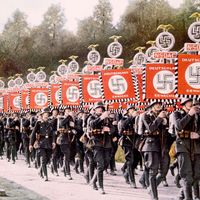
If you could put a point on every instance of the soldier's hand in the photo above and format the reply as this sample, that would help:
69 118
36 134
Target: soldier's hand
194 135
53 145
30 148
193 110
162 114
115 123
104 115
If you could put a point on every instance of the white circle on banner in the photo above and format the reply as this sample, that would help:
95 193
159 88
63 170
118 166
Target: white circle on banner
149 54
31 77
41 99
94 57
164 82
165 41
118 84
41 76
2 84
62 70
72 93
192 75
94 89
73 67
19 81
194 32
114 49
139 59
57 96
16 102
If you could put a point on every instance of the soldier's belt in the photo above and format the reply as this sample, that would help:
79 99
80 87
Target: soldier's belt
127 133
148 134
97 132
184 134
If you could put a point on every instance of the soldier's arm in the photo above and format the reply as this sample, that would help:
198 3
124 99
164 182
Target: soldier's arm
152 126
33 134
180 123
94 121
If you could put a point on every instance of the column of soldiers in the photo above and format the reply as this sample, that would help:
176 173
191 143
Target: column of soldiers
88 141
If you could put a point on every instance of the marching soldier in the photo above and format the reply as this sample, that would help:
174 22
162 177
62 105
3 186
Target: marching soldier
187 124
1 135
66 131
43 133
151 123
26 132
128 144
79 145
56 151
100 127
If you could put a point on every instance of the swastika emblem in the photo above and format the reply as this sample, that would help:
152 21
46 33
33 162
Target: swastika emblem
62 70
118 84
72 93
139 59
11 83
57 96
41 76
192 75
164 82
114 49
19 81
93 57
31 77
194 32
16 102
40 99
165 41
2 84
149 53
73 67
94 89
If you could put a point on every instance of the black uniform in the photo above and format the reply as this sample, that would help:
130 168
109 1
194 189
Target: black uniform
1 137
151 127
66 136
128 144
102 145
43 133
188 152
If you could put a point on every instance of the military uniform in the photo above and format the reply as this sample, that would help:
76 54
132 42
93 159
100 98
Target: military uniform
128 144
188 152
66 135
43 133
1 137
151 127
102 144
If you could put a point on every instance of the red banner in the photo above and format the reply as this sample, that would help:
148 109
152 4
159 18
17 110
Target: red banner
25 99
5 102
189 74
14 101
91 89
160 81
118 85
55 94
70 93
38 98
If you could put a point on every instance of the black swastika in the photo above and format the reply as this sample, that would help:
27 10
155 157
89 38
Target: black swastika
196 32
95 89
118 85
165 41
165 82
194 75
